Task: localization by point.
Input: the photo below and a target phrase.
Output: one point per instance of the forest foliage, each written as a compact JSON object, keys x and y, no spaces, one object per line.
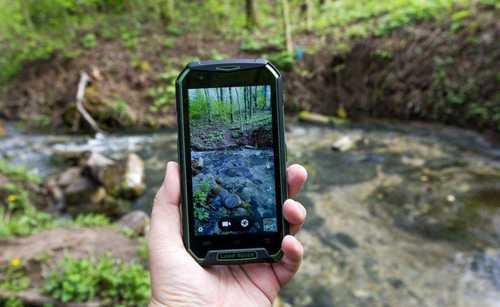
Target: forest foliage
{"x":32,"y":30}
{"x":228,"y":104}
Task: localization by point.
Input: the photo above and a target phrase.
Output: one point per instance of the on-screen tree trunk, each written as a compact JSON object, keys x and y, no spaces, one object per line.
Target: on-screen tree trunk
{"x":251,"y":14}
{"x":207,"y":98}
{"x":231,"y":106}
{"x":286,"y":25}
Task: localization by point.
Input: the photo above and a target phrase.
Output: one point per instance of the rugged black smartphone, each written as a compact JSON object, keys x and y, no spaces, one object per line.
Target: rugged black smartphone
{"x":232,"y":157}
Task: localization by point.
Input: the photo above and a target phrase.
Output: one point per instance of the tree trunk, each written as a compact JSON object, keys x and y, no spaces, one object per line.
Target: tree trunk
{"x":309,"y":8}
{"x":251,"y":15}
{"x":25,"y":9}
{"x":286,"y":25}
{"x":167,"y":10}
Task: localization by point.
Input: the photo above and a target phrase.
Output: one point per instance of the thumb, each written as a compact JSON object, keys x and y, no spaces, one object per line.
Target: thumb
{"x":165,"y":218}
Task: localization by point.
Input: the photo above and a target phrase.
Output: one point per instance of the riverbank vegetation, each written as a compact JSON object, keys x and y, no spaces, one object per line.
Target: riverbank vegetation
{"x":414,"y":57}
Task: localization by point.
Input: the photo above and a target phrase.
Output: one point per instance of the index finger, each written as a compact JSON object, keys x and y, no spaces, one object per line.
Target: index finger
{"x":296,"y":176}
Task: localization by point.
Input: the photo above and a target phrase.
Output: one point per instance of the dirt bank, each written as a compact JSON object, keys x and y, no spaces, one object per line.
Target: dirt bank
{"x":440,"y":71}
{"x":443,"y":71}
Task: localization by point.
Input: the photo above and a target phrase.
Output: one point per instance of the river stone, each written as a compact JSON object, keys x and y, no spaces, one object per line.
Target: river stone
{"x":83,"y":192}
{"x":96,"y":165}
{"x":241,"y":172}
{"x":226,"y":199}
{"x":137,"y":221}
{"x":3,"y":131}
{"x":68,"y":176}
{"x":231,"y":201}
{"x":197,"y":166}
{"x":133,"y":184}
{"x":345,"y":143}
{"x":69,"y":154}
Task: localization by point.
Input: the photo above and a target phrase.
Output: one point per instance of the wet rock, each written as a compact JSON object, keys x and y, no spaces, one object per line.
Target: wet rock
{"x":133,"y":184}
{"x":346,"y":240}
{"x":69,"y":154}
{"x":98,"y":185}
{"x":315,"y":118}
{"x":68,"y":176}
{"x":226,"y":199}
{"x":345,"y":143}
{"x":96,"y":164}
{"x":486,"y":265}
{"x":83,"y":190}
{"x":396,"y":283}
{"x":3,"y":131}
{"x":137,"y":221}
{"x":124,"y":178}
{"x":415,"y":162}
{"x":196,"y":166}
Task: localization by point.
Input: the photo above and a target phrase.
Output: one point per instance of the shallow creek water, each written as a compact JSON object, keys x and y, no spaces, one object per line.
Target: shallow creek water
{"x":408,"y":217}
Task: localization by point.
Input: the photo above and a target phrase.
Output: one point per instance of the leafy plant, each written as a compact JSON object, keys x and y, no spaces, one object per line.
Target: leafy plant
{"x":89,"y":41}
{"x":14,"y":279}
{"x":163,"y":94}
{"x":129,"y":39}
{"x":18,"y":215}
{"x":458,"y":18}
{"x":91,"y":219}
{"x":120,"y":106}
{"x":107,"y":279}
{"x":14,"y":276}
{"x":17,"y":172}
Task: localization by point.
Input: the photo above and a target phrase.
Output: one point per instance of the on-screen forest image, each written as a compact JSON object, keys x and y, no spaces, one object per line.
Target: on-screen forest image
{"x":232,"y":160}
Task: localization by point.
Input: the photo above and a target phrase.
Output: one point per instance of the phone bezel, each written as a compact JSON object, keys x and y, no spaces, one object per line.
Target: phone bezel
{"x":271,"y":241}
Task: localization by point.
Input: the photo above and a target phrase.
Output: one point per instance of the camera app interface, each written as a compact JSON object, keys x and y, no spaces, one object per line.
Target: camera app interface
{"x":232,"y":160}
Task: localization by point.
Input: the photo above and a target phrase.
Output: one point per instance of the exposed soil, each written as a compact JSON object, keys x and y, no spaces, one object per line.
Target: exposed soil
{"x":426,"y":71}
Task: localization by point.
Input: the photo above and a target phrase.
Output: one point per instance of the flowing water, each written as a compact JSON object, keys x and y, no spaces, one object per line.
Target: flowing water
{"x":410,"y":216}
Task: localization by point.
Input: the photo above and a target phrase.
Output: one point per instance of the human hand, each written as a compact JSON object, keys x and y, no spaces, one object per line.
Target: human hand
{"x":178,"y":280}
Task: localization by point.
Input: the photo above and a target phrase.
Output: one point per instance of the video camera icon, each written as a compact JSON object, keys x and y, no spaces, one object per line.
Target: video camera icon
{"x":235,"y":224}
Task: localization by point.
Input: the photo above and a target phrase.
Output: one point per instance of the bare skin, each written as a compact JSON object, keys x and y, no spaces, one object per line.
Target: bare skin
{"x":178,"y":280}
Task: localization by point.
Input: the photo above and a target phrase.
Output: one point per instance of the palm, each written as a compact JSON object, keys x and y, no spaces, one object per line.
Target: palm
{"x":178,"y":280}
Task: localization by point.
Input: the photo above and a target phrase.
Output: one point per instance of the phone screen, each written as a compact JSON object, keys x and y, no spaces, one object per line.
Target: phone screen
{"x":232,"y":160}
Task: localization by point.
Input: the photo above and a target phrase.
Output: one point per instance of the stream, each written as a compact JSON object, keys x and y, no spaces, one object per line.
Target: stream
{"x":409,"y":216}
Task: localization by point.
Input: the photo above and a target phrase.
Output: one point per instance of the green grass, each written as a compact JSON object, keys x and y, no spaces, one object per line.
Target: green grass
{"x":42,"y":28}
{"x":18,"y":173}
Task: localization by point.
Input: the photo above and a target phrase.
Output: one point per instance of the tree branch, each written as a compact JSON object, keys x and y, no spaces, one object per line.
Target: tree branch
{"x":80,"y":97}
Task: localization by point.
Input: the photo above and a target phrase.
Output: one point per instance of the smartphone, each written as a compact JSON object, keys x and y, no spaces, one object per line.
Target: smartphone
{"x":232,"y":159}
